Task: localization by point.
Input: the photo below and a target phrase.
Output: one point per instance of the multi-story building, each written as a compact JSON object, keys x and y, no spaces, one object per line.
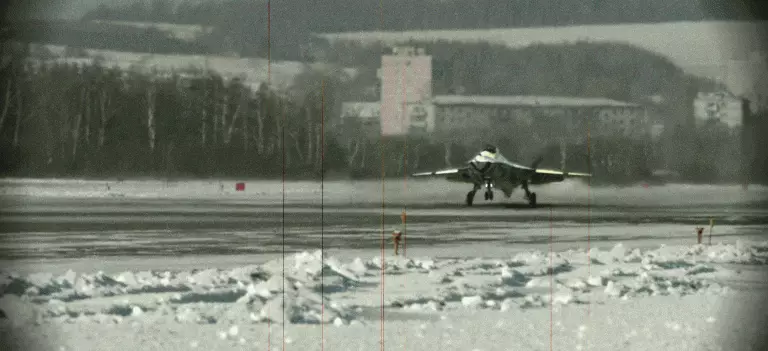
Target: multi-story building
{"x":406,"y":91}
{"x":601,"y":116}
{"x":407,"y":106}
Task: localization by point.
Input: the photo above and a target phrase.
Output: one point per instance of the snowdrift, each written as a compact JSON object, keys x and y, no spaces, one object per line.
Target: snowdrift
{"x":309,"y":288}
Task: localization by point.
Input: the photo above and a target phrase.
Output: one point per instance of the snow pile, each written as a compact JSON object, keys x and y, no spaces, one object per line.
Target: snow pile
{"x":245,"y":294}
{"x":308,"y":287}
{"x":718,"y":253}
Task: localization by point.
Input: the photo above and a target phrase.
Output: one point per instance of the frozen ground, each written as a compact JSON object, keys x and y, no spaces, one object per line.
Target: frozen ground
{"x":683,"y":298}
{"x":195,"y":265}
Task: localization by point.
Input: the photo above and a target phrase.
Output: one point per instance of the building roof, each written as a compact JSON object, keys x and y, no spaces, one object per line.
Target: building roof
{"x":528,"y":101}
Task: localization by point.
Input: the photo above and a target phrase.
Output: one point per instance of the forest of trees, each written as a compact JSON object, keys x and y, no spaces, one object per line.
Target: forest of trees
{"x":88,"y":120}
{"x":67,"y":120}
{"x":92,"y":120}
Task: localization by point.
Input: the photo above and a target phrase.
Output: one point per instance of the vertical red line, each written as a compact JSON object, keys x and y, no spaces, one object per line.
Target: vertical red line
{"x":589,"y":218}
{"x":407,"y":123}
{"x":322,"y":216}
{"x":269,"y":85}
{"x":551,"y":282}
{"x":269,"y":41}
{"x":381,"y":26}
{"x":589,"y":202}
{"x":282,"y":112}
{"x":405,"y":153}
{"x":382,"y":241}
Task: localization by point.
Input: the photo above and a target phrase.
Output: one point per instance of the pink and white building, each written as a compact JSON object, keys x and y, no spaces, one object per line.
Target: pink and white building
{"x":406,"y":92}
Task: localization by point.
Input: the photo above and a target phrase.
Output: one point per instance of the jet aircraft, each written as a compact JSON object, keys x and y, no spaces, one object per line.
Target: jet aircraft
{"x":491,"y":170}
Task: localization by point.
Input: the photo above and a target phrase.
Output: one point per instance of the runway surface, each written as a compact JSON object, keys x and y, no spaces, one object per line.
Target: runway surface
{"x":87,"y":219}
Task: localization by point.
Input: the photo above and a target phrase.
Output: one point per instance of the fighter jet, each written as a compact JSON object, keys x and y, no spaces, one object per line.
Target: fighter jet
{"x":491,"y":170}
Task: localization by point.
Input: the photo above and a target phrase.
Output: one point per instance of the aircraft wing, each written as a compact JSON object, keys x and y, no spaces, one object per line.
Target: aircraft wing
{"x":452,"y":174}
{"x":543,"y":176}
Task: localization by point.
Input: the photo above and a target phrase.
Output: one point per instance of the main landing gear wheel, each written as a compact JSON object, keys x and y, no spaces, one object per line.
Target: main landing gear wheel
{"x":489,"y":195}
{"x":531,"y":196}
{"x":470,"y":197}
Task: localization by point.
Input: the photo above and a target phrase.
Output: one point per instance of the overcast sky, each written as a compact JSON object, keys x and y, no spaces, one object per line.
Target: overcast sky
{"x":74,"y":9}
{"x":65,"y":9}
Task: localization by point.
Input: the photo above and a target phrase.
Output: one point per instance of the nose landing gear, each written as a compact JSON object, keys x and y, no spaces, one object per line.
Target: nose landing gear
{"x":488,"y":195}
{"x":488,"y":191}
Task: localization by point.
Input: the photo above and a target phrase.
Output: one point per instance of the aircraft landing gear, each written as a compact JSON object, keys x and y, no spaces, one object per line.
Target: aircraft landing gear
{"x":488,"y":191}
{"x":530,"y":196}
{"x":471,"y":195}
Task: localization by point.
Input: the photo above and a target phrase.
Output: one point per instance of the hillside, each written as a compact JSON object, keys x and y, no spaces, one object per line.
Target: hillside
{"x":253,"y":71}
{"x":242,"y":25}
{"x":100,"y":35}
{"x":700,"y":48}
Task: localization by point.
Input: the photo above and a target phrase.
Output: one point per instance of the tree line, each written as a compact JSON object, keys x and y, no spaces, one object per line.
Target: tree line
{"x":83,"y":119}
{"x":104,"y":36}
{"x":87,"y":120}
{"x":59,"y":119}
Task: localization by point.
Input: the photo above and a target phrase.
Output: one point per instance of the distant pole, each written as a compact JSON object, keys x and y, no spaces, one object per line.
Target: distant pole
{"x":396,"y":236}
{"x":402,"y":216}
{"x":699,"y":232}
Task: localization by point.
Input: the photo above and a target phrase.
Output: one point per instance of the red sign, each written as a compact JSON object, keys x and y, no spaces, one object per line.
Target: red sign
{"x":240,"y":187}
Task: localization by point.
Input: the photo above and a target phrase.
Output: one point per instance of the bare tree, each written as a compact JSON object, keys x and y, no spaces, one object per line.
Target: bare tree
{"x":353,"y":147}
{"x":6,"y":105}
{"x":310,"y":130}
{"x":295,"y":137}
{"x":279,"y":143}
{"x":87,"y":113}
{"x":417,"y":156}
{"x":218,"y":118}
{"x":246,"y":134}
{"x":204,"y":118}
{"x":151,"y":127}
{"x":235,"y":115}
{"x":77,"y":127}
{"x":105,"y":108}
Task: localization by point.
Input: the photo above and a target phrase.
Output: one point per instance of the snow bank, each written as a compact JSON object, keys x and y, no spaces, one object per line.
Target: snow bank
{"x":251,"y":293}
{"x":309,"y":287}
